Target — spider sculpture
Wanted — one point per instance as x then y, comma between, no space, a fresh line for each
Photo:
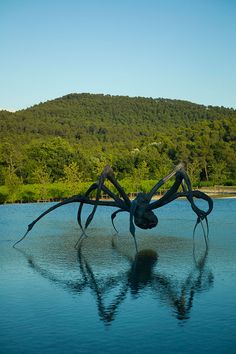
141,208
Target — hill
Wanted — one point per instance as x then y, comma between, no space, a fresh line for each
142,136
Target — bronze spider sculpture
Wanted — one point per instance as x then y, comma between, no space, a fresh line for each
141,208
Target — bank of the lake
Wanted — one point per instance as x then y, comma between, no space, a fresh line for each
52,192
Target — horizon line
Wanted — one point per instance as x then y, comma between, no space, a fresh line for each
11,110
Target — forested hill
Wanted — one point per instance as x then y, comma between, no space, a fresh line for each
88,114
132,134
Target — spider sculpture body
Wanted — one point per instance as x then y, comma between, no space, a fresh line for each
141,208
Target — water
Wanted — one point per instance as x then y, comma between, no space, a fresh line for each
56,299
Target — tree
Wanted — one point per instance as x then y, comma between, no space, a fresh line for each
72,177
218,172
13,183
194,171
140,173
53,154
40,175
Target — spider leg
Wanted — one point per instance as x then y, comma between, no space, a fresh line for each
113,216
131,222
93,187
201,214
108,174
205,232
22,238
163,180
74,199
170,195
181,178
190,194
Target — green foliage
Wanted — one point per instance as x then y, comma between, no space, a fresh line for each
219,172
40,175
70,139
13,183
3,194
194,170
73,177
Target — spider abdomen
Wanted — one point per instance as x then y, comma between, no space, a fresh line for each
145,219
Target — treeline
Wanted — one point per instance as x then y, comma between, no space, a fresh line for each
70,139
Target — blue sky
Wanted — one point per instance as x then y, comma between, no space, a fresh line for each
178,49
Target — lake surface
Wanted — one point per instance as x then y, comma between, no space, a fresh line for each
103,299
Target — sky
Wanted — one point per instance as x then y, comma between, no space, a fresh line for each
177,49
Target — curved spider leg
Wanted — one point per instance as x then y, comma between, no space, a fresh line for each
190,194
98,194
170,195
199,220
74,199
123,204
181,178
107,174
119,202
163,180
87,193
22,238
31,225
201,195
204,233
113,216
202,215
108,171
131,222
93,187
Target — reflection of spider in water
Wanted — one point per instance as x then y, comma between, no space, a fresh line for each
141,274
141,208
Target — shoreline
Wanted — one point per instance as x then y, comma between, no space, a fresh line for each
56,192
157,197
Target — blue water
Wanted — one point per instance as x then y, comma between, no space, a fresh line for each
101,299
